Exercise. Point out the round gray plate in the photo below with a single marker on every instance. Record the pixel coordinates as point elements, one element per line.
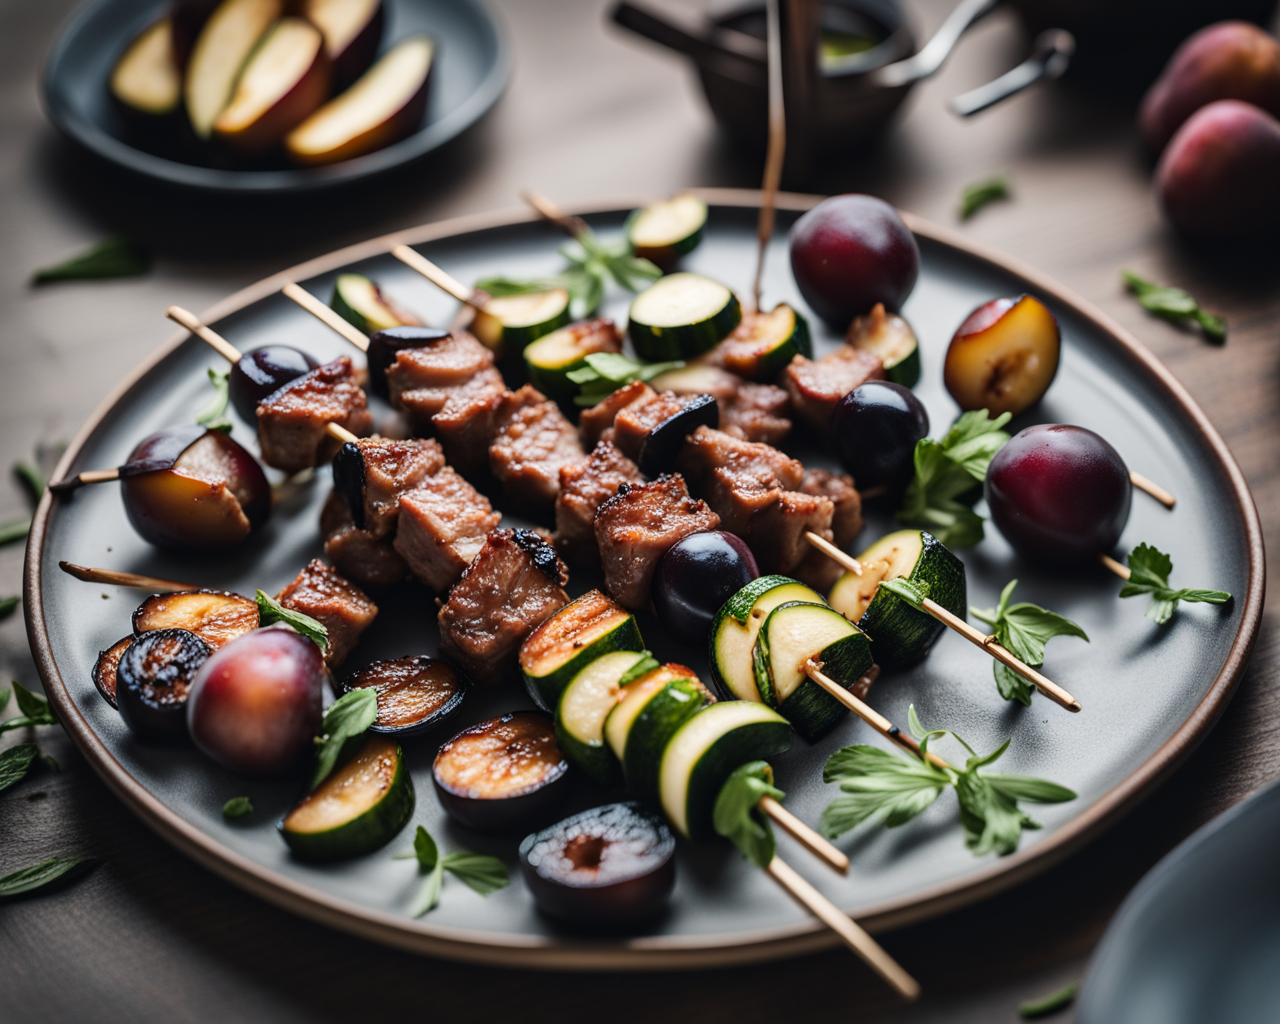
<point>469,75</point>
<point>1148,693</point>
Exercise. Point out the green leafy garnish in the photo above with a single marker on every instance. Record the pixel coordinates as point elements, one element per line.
<point>9,605</point>
<point>644,666</point>
<point>112,257</point>
<point>271,611</point>
<point>605,372</point>
<point>346,719</point>
<point>1149,571</point>
<point>483,874</point>
<point>237,807</point>
<point>17,530</point>
<point>17,761</point>
<point>976,195</point>
<point>893,788</point>
<point>949,471</point>
<point>585,291</point>
<point>33,480</point>
<point>35,709</point>
<point>736,815</point>
<point>215,417</point>
<point>1023,629</point>
<point>1051,1003</point>
<point>912,591</point>
<point>1174,304</point>
<point>38,875</point>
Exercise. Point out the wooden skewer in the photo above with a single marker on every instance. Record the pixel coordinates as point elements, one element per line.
<point>804,835</point>
<point>571,226</point>
<point>829,549</point>
<point>1154,489</point>
<point>445,282</point>
<point>323,313</point>
<point>988,643</point>
<point>777,145</point>
<point>115,578</point>
<point>854,937</point>
<point>89,476</point>
<point>1118,568</point>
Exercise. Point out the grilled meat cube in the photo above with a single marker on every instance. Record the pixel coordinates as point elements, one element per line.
<point>420,378</point>
<point>584,487</point>
<point>338,604</point>
<point>598,419</point>
<point>292,420</point>
<point>372,473</point>
<point>510,587</point>
<point>531,446</point>
<point>469,419</point>
<point>777,534</point>
<point>757,412</point>
<point>816,386</point>
<point>635,528</point>
<point>358,554</point>
<point>847,521</point>
<point>634,423</point>
<point>442,525</point>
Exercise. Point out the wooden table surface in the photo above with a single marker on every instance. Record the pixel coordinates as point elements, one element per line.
<point>591,112</point>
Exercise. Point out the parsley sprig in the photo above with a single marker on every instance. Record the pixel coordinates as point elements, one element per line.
<point>948,473</point>
<point>1176,305</point>
<point>1149,571</point>
<point>1024,629</point>
<point>736,815</point>
<point>483,874</point>
<point>605,372</point>
<point>893,788</point>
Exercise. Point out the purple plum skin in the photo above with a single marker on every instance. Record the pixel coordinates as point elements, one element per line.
<point>695,576</point>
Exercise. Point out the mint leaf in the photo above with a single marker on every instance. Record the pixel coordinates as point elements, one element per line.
<point>15,763</point>
<point>17,530</point>
<point>974,439</point>
<point>975,196</point>
<point>237,807</point>
<point>1149,571</point>
<point>215,416</point>
<point>347,718</point>
<point>425,849</point>
<point>8,606</point>
<point>37,876</point>
<point>1176,305</point>
<point>271,611</point>
<point>35,707</point>
<point>736,817</point>
<point>33,480</point>
<point>483,874</point>
<point>888,787</point>
<point>112,257</point>
<point>1023,629</point>
<point>642,667</point>
<point>1052,1003</point>
<point>605,372</point>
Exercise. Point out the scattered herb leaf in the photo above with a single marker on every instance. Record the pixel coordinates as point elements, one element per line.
<point>15,763</point>
<point>270,611</point>
<point>1149,571</point>
<point>112,257</point>
<point>33,480</point>
<point>642,667</point>
<point>1051,1003</point>
<point>215,417</point>
<point>346,719</point>
<point>237,807</point>
<point>586,292</point>
<point>736,815</point>
<point>37,875</point>
<point>605,372</point>
<point>4,700</point>
<point>34,706</point>
<point>481,873</point>
<point>1023,629</point>
<point>1176,305</point>
<point>9,605</point>
<point>976,195</point>
<point>17,530</point>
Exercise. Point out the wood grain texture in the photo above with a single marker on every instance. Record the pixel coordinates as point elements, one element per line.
<point>149,936</point>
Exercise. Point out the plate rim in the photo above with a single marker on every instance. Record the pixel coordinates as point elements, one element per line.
<point>218,181</point>
<point>656,952</point>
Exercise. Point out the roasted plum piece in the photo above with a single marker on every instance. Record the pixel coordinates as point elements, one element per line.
<point>263,370</point>
<point>652,432</point>
<point>1004,356</point>
<point>154,678</point>
<point>385,344</point>
<point>215,616</point>
<point>609,867</point>
<point>371,474</point>
<point>293,421</point>
<point>875,428</point>
<point>504,775</point>
<point>695,577</point>
<point>415,693</point>
<point>106,669</point>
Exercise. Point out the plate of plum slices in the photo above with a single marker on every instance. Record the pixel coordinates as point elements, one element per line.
<point>584,609</point>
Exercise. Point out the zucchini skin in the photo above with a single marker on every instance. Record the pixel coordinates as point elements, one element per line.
<point>738,607</point>
<point>798,342</point>
<point>546,690</point>
<point>647,738</point>
<point>902,636</point>
<point>905,371</point>
<point>365,833</point>
<point>682,341</point>
<point>598,761</point>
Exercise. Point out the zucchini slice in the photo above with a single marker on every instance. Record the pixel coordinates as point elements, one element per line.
<point>667,230</point>
<point>584,706</point>
<point>357,809</point>
<point>792,634</point>
<point>216,616</point>
<point>891,339</point>
<point>511,322</point>
<point>552,357</point>
<point>361,303</point>
<point>762,345</point>
<point>706,750</point>
<point>656,706</point>
<point>415,693</point>
<point>901,635</point>
<point>570,640</point>
<point>734,629</point>
<point>680,316</point>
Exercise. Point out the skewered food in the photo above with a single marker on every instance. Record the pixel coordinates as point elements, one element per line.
<point>367,560</point>
<point>333,601</point>
<point>508,323</point>
<point>154,679</point>
<point>254,706</point>
<point>360,302</point>
<point>584,705</point>
<point>1004,356</point>
<point>105,669</point>
<point>503,775</point>
<point>1059,493</point>
<point>695,577</point>
<point>736,626</point>
<point>415,693</point>
<point>755,412</point>
<point>652,430</point>
<point>531,444</point>
<point>664,231</point>
<point>551,358</point>
<point>680,316</point>
<point>762,344</point>
<point>890,339</point>
<point>596,423</point>
<point>215,616</point>
<point>584,487</point>
<point>875,428</point>
<point>293,421</point>
<point>356,810</point>
<point>372,474</point>
<point>383,346</point>
<point>817,385</point>
<point>262,371</point>
<point>609,867</point>
<point>442,526</point>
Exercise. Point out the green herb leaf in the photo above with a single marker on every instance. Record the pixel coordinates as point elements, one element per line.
<point>32,480</point>
<point>112,257</point>
<point>976,195</point>
<point>736,815</point>
<point>585,290</point>
<point>1051,1003</point>
<point>1176,305</point>
<point>605,372</point>
<point>35,707</point>
<point>429,893</point>
<point>8,605</point>
<point>270,611</point>
<point>912,591</point>
<point>483,874</point>
<point>642,667</point>
<point>1149,571</point>
<point>215,417</point>
<point>347,719</point>
<point>15,763</point>
<point>888,787</point>
<point>237,807</point>
<point>38,875</point>
<point>17,530</point>
<point>425,849</point>
<point>4,700</point>
<point>1023,629</point>
<point>989,810</point>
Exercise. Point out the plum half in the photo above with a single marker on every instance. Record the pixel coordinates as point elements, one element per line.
<point>415,693</point>
<point>153,681</point>
<point>1004,356</point>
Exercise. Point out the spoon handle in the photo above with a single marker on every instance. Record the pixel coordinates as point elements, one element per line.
<point>1049,59</point>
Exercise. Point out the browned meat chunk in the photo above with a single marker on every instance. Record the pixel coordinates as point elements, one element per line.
<point>381,472</point>
<point>469,420</point>
<point>633,424</point>
<point>777,534</point>
<point>420,378</point>
<point>510,587</point>
<point>757,412</point>
<point>334,601</point>
<point>847,522</point>
<point>816,386</point>
<point>292,421</point>
<point>635,527</point>
<point>594,421</point>
<point>359,555</point>
<point>534,442</point>
<point>442,525</point>
<point>584,487</point>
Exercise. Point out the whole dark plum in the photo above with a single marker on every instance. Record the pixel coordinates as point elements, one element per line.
<point>262,371</point>
<point>875,428</point>
<point>695,576</point>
